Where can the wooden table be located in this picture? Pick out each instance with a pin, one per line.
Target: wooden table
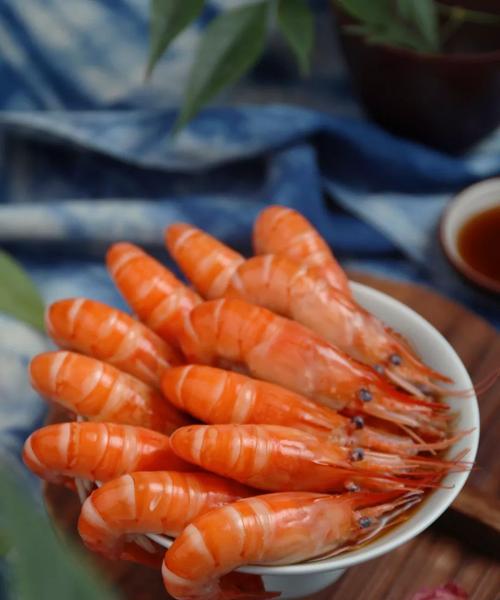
(463, 545)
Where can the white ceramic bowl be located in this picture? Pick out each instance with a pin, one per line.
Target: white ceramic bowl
(473, 200)
(303, 580)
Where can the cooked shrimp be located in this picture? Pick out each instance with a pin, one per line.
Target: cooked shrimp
(161, 502)
(218, 396)
(301, 293)
(282, 351)
(276, 458)
(96, 390)
(298, 292)
(97, 451)
(273, 529)
(111, 335)
(155, 295)
(282, 230)
(205, 261)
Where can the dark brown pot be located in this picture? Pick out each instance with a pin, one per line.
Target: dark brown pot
(448, 101)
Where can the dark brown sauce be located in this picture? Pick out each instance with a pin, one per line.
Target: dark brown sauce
(479, 243)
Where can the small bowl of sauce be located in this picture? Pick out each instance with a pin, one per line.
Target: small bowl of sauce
(470, 233)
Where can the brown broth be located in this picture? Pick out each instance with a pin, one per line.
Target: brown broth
(479, 243)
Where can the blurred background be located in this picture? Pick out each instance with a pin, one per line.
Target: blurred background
(367, 117)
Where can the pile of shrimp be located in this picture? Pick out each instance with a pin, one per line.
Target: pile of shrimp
(256, 416)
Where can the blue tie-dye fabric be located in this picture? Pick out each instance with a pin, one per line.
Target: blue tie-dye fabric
(86, 159)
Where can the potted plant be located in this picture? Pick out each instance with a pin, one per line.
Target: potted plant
(427, 69)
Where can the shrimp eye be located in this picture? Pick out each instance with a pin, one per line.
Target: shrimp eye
(358, 422)
(365, 395)
(357, 454)
(379, 368)
(365, 522)
(395, 360)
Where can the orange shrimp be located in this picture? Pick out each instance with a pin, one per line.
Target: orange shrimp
(273, 529)
(161, 502)
(217, 396)
(282, 230)
(155, 295)
(282, 351)
(96, 390)
(298, 292)
(301, 293)
(97, 451)
(276, 458)
(205, 261)
(111, 335)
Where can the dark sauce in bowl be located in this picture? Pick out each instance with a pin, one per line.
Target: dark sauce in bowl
(479, 244)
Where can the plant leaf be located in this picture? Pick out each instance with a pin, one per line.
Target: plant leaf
(42, 567)
(374, 12)
(168, 19)
(423, 15)
(297, 24)
(18, 294)
(230, 46)
(461, 15)
(393, 34)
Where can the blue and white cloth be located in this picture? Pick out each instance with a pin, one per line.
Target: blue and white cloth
(86, 159)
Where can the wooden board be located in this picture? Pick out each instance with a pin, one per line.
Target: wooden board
(462, 545)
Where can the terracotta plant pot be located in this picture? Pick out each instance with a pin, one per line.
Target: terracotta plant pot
(449, 100)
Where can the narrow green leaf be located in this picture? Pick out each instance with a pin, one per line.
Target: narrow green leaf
(423, 15)
(18, 294)
(297, 24)
(230, 46)
(461, 15)
(375, 12)
(393, 34)
(168, 19)
(42, 566)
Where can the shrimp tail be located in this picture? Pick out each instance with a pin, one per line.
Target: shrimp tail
(244, 586)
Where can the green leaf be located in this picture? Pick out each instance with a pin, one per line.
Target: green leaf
(393, 34)
(230, 46)
(374, 12)
(168, 19)
(42, 566)
(461, 15)
(423, 15)
(297, 24)
(18, 294)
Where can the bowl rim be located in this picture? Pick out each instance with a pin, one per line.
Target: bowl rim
(367, 553)
(460, 265)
